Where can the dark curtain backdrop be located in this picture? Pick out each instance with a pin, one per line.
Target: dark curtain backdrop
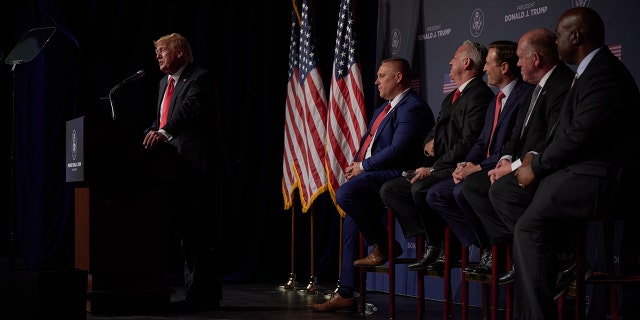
(96, 45)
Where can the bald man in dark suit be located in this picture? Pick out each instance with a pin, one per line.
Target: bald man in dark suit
(583, 165)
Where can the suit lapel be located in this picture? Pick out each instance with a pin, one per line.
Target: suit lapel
(393, 110)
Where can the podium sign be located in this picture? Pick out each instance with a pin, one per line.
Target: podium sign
(75, 150)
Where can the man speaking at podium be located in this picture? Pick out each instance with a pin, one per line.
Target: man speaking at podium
(186, 120)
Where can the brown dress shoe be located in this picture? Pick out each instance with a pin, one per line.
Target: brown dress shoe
(377, 257)
(336, 304)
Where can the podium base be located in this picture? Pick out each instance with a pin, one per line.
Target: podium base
(127, 293)
(128, 301)
(44, 294)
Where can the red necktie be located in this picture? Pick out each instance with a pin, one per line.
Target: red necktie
(372, 132)
(495, 120)
(455, 96)
(166, 102)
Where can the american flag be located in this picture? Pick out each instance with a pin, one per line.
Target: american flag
(448, 85)
(616, 49)
(305, 119)
(347, 112)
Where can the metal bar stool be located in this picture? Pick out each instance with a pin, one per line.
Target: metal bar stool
(490, 282)
(389, 268)
(608, 278)
(445, 274)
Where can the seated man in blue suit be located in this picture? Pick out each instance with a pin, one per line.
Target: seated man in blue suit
(392, 144)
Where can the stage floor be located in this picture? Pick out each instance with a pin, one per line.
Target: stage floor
(266, 301)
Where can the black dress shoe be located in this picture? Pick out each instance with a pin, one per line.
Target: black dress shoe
(568, 271)
(568, 276)
(471, 268)
(438, 265)
(508, 277)
(485, 264)
(565, 277)
(430, 255)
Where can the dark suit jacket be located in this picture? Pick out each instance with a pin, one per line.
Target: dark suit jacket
(398, 141)
(458, 126)
(596, 117)
(192, 119)
(504, 127)
(543, 117)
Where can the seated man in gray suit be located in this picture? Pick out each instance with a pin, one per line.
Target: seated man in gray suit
(445, 197)
(458, 127)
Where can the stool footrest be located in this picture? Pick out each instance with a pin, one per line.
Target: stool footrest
(477, 277)
(385, 267)
(406, 260)
(378, 269)
(601, 277)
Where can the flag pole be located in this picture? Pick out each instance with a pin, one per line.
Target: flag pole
(312, 287)
(292, 282)
(340, 221)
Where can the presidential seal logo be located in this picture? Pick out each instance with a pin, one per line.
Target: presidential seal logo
(74, 145)
(396, 39)
(476, 23)
(580, 3)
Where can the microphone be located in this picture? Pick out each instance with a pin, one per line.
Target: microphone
(135, 76)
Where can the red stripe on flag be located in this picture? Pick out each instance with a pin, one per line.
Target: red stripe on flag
(347, 114)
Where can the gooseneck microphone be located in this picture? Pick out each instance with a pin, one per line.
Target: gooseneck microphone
(133, 77)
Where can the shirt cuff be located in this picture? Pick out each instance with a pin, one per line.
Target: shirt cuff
(515, 165)
(166, 134)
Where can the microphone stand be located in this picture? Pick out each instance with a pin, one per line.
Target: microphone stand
(12, 192)
(109, 97)
(113, 110)
(137, 75)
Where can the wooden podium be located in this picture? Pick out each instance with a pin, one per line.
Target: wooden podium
(122, 234)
